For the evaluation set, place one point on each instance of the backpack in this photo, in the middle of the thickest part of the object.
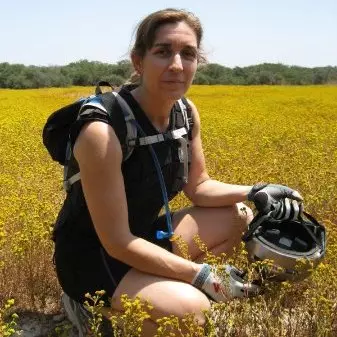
(55, 134)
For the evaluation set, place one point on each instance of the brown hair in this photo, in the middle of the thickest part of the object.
(147, 28)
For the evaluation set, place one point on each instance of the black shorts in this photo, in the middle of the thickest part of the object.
(92, 269)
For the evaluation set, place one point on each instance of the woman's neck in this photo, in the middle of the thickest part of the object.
(157, 110)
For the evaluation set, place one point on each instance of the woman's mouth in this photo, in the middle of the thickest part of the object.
(174, 81)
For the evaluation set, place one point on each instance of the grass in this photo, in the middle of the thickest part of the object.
(275, 134)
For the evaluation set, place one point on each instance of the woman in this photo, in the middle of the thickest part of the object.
(108, 239)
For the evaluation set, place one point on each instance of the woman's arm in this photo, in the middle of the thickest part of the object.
(201, 189)
(99, 155)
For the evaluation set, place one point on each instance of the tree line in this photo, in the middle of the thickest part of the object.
(87, 73)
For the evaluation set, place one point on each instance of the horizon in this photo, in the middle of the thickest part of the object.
(110, 63)
(236, 34)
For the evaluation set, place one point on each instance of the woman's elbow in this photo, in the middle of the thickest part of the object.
(193, 191)
(116, 245)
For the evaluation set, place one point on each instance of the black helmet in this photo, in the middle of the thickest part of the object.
(285, 242)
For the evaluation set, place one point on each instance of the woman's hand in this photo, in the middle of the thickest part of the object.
(271, 197)
(226, 287)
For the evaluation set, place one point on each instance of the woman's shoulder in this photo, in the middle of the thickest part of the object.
(109, 113)
(95, 142)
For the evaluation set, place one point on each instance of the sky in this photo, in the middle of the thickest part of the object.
(236, 32)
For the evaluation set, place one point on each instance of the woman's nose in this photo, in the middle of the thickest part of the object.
(176, 64)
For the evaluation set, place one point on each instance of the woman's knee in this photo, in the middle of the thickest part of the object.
(182, 300)
(196, 304)
(168, 297)
(179, 305)
(244, 215)
(241, 216)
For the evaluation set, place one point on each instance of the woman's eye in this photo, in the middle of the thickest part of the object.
(163, 52)
(190, 54)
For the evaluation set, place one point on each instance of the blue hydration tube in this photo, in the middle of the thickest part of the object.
(159, 234)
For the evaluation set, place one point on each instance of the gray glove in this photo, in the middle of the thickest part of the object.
(288, 209)
(224, 289)
(271, 198)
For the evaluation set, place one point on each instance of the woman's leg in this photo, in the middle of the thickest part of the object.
(219, 228)
(167, 296)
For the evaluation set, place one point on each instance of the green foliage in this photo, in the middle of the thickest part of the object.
(266, 73)
(84, 73)
(63, 329)
(7, 320)
(94, 304)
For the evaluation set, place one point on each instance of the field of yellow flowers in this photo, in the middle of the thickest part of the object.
(274, 134)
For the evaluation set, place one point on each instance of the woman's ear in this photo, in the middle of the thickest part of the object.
(137, 63)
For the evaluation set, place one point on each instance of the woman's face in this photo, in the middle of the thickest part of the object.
(168, 68)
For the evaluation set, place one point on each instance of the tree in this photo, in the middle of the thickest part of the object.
(124, 68)
(201, 78)
(86, 72)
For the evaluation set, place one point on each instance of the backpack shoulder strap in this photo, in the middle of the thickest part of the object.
(188, 116)
(131, 128)
(179, 133)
